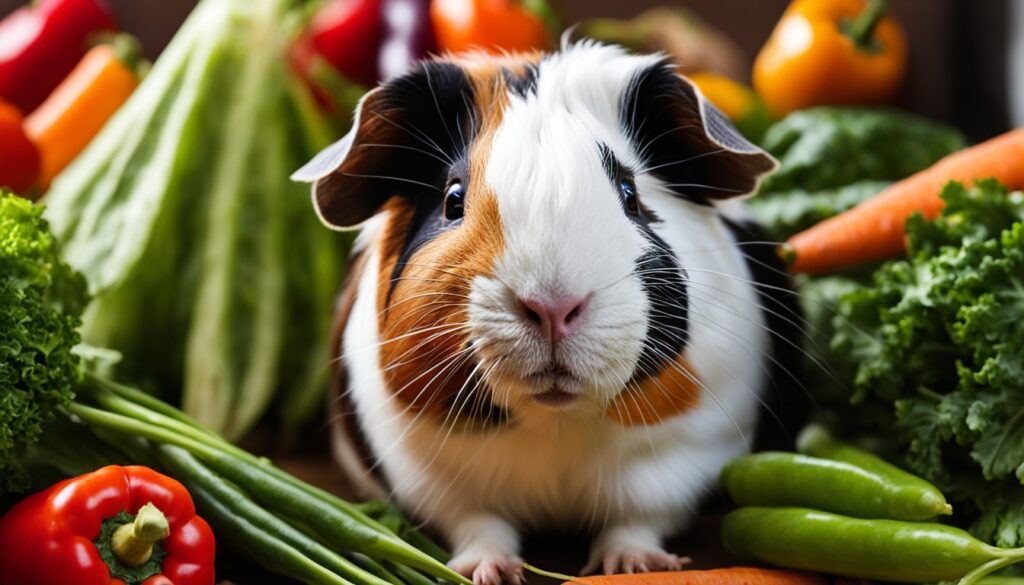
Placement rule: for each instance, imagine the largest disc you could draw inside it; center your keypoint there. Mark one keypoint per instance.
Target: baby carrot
(64, 124)
(873, 230)
(730, 576)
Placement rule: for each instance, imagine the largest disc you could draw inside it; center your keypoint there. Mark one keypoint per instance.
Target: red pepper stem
(133, 543)
(862, 28)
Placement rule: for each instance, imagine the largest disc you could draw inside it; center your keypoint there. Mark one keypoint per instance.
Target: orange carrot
(874, 229)
(731, 576)
(74, 113)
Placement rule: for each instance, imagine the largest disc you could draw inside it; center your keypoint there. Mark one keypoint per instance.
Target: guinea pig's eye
(628, 190)
(454, 201)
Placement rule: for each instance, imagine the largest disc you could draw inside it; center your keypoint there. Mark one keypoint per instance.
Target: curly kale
(41, 301)
(935, 349)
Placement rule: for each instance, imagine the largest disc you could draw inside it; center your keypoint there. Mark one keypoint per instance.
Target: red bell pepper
(348, 34)
(41, 43)
(20, 161)
(115, 526)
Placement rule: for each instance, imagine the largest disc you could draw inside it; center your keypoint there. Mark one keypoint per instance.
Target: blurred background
(966, 65)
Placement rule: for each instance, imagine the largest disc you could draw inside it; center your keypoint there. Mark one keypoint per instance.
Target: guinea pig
(557, 314)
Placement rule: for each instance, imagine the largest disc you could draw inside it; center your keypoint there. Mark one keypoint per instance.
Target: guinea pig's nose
(555, 317)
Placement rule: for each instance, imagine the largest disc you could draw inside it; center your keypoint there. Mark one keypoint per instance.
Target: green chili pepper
(774, 478)
(887, 550)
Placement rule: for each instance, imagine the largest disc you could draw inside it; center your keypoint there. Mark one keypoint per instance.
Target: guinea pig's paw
(633, 559)
(489, 568)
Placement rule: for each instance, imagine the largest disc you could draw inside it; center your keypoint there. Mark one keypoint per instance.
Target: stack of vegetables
(58, 415)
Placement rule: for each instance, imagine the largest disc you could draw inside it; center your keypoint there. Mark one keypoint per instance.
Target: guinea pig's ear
(687, 141)
(404, 136)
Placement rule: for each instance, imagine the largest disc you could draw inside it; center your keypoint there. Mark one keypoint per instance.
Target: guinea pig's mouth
(558, 386)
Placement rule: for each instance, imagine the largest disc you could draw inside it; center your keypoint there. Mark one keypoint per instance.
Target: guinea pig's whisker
(421, 296)
(679, 162)
(450, 428)
(444, 327)
(401, 361)
(647, 146)
(453, 361)
(795, 321)
(390, 178)
(705, 391)
(702, 185)
(418, 135)
(404, 147)
(437, 105)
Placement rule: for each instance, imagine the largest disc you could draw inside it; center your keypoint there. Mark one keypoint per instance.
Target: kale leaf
(935, 350)
(41, 300)
(828, 147)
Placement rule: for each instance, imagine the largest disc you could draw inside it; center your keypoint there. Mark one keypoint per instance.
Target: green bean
(376, 568)
(193, 474)
(775, 478)
(887, 550)
(816, 441)
(132, 403)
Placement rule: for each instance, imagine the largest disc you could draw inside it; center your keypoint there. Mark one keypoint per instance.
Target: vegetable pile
(54, 414)
(209, 272)
(934, 350)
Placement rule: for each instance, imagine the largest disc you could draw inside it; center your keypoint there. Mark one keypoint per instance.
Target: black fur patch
(434, 109)
(523, 84)
(664, 281)
(785, 404)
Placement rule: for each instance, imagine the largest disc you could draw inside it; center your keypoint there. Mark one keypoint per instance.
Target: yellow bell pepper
(831, 52)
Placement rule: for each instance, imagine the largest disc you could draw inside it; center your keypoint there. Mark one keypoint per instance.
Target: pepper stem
(133, 543)
(862, 28)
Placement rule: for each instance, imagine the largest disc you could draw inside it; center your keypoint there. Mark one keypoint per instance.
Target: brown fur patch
(342, 410)
(423, 336)
(672, 391)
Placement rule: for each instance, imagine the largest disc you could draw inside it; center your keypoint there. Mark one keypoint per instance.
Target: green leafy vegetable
(786, 212)
(210, 272)
(41, 300)
(934, 347)
(824, 148)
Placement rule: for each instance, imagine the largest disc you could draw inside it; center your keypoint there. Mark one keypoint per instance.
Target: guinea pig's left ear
(686, 141)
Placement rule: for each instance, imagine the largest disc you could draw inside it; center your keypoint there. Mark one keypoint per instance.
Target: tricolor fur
(586, 174)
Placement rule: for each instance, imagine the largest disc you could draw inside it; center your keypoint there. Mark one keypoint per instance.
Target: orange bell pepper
(76, 111)
(831, 52)
(490, 25)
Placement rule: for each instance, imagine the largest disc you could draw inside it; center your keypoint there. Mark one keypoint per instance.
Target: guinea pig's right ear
(402, 140)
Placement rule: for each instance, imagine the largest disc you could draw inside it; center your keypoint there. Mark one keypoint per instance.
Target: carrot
(730, 576)
(874, 229)
(64, 124)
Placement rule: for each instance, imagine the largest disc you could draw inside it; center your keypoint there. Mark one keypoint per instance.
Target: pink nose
(556, 317)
